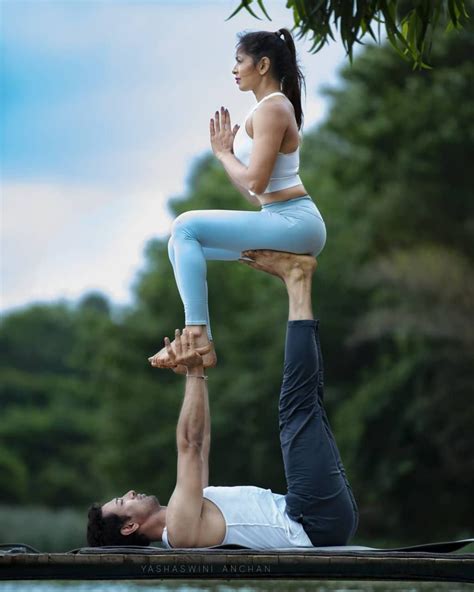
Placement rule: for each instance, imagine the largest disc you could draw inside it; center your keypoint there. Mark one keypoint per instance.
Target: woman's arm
(269, 126)
(248, 196)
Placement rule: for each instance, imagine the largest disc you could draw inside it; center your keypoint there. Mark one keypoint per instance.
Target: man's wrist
(195, 371)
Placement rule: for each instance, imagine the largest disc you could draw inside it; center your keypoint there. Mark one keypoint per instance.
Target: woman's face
(246, 74)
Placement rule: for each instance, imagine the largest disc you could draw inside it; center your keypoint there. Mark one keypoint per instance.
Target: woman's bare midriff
(283, 195)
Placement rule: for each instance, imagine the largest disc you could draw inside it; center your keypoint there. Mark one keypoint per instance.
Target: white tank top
(285, 171)
(254, 518)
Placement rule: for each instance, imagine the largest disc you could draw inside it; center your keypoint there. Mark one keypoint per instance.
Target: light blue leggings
(295, 226)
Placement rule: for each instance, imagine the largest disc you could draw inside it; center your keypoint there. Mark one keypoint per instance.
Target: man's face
(137, 506)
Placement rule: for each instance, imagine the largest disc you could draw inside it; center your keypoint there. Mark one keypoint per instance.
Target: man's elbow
(190, 444)
(206, 443)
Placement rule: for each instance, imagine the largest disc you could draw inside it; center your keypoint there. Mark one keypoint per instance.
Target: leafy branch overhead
(409, 24)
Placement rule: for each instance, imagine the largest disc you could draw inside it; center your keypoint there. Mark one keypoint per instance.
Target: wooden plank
(227, 564)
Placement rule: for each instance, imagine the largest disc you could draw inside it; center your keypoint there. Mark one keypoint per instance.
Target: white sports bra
(285, 172)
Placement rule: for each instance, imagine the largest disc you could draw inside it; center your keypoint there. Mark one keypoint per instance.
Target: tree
(51, 363)
(390, 168)
(410, 25)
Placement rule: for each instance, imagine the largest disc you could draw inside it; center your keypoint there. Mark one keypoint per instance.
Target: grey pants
(319, 495)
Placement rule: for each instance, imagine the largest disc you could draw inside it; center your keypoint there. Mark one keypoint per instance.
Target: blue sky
(104, 106)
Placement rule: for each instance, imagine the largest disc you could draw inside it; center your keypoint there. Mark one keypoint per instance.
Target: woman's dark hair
(280, 48)
(105, 531)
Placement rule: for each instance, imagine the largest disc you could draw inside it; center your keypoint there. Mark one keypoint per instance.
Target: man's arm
(206, 443)
(183, 516)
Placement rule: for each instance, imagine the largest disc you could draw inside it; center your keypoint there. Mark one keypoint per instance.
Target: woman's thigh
(222, 232)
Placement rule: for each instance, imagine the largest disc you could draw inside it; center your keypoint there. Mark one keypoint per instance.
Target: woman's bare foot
(286, 266)
(203, 346)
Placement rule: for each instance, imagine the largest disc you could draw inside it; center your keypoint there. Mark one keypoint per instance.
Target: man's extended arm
(206, 442)
(183, 516)
(192, 418)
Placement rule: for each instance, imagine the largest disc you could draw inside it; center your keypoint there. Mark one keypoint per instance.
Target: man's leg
(331, 437)
(318, 493)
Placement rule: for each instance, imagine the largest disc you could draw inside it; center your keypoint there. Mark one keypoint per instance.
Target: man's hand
(185, 353)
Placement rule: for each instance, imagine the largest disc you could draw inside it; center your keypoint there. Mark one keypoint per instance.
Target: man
(318, 509)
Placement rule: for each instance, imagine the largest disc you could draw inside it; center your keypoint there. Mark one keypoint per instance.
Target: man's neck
(154, 525)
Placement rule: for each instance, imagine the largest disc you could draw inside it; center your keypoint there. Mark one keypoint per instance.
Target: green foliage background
(84, 417)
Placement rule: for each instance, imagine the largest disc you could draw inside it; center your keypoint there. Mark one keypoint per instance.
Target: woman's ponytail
(293, 79)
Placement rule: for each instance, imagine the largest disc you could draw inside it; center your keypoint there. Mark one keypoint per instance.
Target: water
(236, 586)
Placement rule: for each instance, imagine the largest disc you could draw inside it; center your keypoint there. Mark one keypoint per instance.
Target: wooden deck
(231, 564)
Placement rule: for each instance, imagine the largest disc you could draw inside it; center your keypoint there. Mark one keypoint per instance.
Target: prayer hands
(222, 135)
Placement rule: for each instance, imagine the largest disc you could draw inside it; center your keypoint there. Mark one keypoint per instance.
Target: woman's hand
(222, 136)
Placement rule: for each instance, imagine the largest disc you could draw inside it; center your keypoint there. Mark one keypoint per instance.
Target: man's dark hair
(105, 531)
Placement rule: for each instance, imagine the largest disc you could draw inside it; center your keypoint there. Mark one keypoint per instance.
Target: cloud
(59, 240)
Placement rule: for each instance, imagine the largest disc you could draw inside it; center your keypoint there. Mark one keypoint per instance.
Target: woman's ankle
(199, 331)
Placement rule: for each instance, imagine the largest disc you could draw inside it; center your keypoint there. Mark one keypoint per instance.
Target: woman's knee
(184, 225)
(171, 249)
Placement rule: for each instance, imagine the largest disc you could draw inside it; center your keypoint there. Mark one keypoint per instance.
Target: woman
(261, 159)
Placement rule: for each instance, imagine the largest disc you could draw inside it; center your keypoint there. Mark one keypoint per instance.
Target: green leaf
(244, 4)
(260, 3)
(453, 12)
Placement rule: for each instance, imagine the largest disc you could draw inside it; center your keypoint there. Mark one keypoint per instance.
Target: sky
(104, 106)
